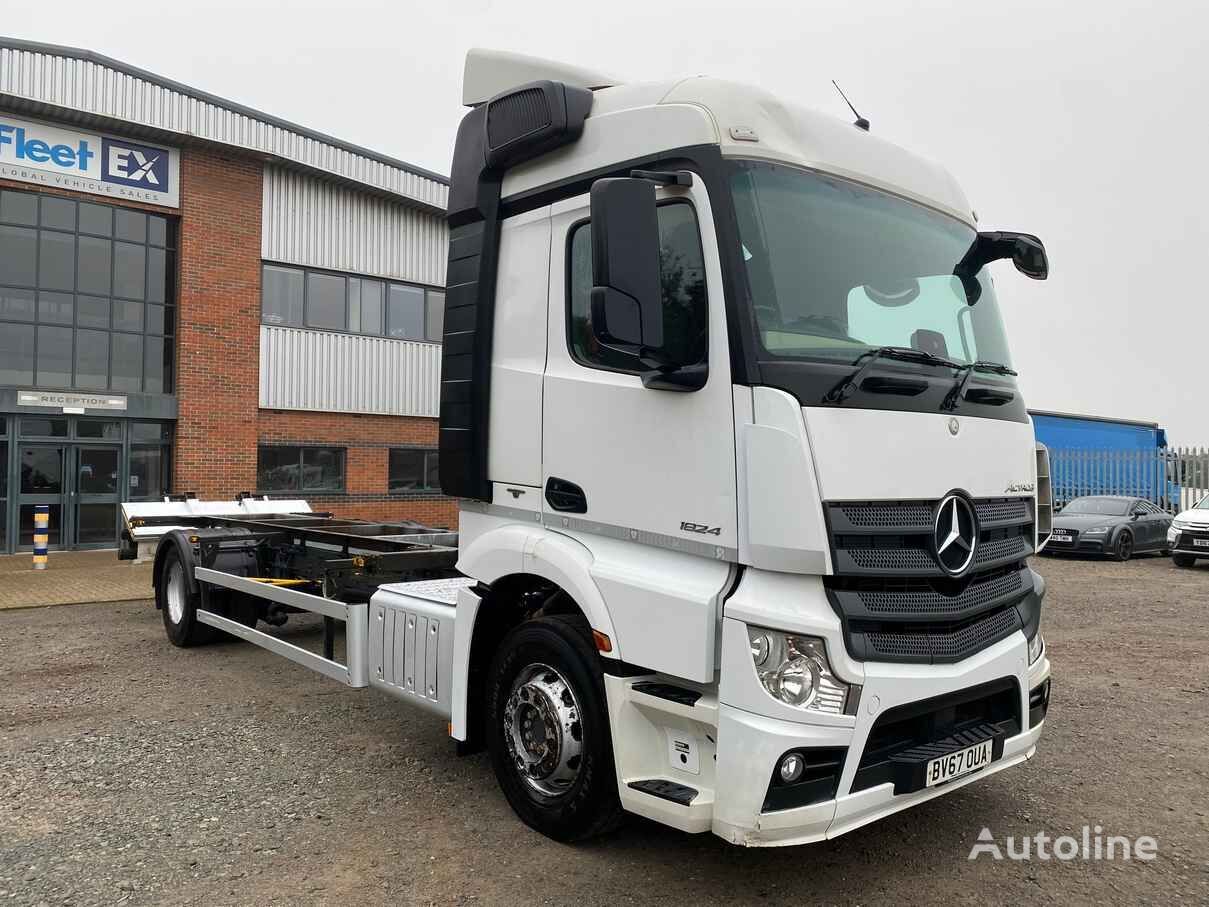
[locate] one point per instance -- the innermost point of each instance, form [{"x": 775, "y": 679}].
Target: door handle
[{"x": 565, "y": 497}]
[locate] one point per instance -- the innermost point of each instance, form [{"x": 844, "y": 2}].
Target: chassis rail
[{"x": 354, "y": 616}]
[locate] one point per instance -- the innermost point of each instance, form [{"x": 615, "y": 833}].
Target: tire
[
  {"x": 1123, "y": 549},
  {"x": 178, "y": 605},
  {"x": 1184, "y": 560},
  {"x": 544, "y": 682}
]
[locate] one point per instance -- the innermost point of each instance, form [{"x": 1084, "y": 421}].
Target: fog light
[{"x": 792, "y": 767}]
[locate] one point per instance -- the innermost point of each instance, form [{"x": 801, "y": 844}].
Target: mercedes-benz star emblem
[{"x": 955, "y": 534}]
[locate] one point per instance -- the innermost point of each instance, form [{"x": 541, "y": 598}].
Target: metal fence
[{"x": 1172, "y": 478}]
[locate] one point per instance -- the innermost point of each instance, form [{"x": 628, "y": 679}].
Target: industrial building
[{"x": 199, "y": 297}]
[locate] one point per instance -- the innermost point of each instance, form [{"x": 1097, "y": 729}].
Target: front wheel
[
  {"x": 548, "y": 730},
  {"x": 1184, "y": 560},
  {"x": 1123, "y": 550}
]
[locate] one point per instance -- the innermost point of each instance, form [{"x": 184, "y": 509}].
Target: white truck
[{"x": 747, "y": 486}]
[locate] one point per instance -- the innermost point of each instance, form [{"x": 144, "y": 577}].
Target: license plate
[
  {"x": 962, "y": 762},
  {"x": 1059, "y": 538},
  {"x": 1200, "y": 543}
]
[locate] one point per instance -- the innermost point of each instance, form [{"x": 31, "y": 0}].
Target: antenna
[{"x": 861, "y": 122}]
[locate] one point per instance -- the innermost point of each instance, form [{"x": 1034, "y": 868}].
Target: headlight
[
  {"x": 1036, "y": 646},
  {"x": 795, "y": 671},
  {"x": 1098, "y": 530}
]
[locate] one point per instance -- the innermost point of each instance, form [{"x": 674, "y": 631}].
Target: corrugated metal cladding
[
  {"x": 326, "y": 372},
  {"x": 309, "y": 221},
  {"x": 99, "y": 90}
]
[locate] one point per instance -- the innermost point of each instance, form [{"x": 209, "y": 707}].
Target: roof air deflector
[{"x": 492, "y": 72}]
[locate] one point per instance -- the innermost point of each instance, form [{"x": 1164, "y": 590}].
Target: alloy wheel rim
[
  {"x": 542, "y": 730},
  {"x": 176, "y": 593}
]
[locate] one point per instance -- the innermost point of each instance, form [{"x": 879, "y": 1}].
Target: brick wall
[
  {"x": 221, "y": 423},
  {"x": 218, "y": 368}
]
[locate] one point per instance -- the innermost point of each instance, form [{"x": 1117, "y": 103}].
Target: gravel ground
[{"x": 133, "y": 772}]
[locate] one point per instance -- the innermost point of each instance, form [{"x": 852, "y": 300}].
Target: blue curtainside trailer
[
  {"x": 1064, "y": 431},
  {"x": 1097, "y": 455}
]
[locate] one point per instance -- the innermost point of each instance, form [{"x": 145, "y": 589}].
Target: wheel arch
[
  {"x": 525, "y": 572},
  {"x": 504, "y": 557}
]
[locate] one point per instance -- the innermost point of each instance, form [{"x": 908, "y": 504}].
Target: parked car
[
  {"x": 1114, "y": 525},
  {"x": 1188, "y": 537}
]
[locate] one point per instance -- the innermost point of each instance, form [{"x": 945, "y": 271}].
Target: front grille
[
  {"x": 992, "y": 707},
  {"x": 895, "y": 601}
]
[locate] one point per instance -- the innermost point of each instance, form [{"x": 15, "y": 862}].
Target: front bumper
[
  {"x": 1185, "y": 542},
  {"x": 1080, "y": 543},
  {"x": 750, "y": 745}
]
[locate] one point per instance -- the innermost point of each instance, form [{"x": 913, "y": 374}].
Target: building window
[
  {"x": 150, "y": 459},
  {"x": 87, "y": 295},
  {"x": 282, "y": 468},
  {"x": 413, "y": 469},
  {"x": 328, "y": 301}
]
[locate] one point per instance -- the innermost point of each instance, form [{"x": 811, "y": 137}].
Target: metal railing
[{"x": 1171, "y": 478}]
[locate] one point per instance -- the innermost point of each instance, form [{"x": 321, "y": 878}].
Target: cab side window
[{"x": 682, "y": 276}]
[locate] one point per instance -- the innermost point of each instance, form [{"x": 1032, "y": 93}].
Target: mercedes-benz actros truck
[{"x": 747, "y": 486}]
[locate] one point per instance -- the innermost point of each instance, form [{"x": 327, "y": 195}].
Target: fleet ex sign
[{"x": 87, "y": 162}]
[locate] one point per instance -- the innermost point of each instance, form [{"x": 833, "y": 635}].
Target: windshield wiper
[
  {"x": 841, "y": 391},
  {"x": 955, "y": 395}
]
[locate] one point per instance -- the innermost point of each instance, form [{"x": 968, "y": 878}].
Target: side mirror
[
  {"x": 1026, "y": 251},
  {"x": 1028, "y": 255},
  {"x": 627, "y": 303}
]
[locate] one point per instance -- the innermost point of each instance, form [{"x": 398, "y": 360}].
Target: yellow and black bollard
[{"x": 41, "y": 534}]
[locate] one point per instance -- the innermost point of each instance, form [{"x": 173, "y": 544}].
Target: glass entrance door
[
  {"x": 95, "y": 497},
  {"x": 43, "y": 481}
]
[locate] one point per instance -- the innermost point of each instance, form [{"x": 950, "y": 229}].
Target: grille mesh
[
  {"x": 516, "y": 115},
  {"x": 1003, "y": 511},
  {"x": 928, "y": 601},
  {"x": 905, "y": 514},
  {"x": 891, "y": 559},
  {"x": 951, "y": 646},
  {"x": 1013, "y": 546}
]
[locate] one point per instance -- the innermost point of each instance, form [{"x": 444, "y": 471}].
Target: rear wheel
[
  {"x": 1123, "y": 549},
  {"x": 1184, "y": 560},
  {"x": 178, "y": 604},
  {"x": 548, "y": 730}
]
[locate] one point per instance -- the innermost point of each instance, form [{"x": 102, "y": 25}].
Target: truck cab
[{"x": 725, "y": 381}]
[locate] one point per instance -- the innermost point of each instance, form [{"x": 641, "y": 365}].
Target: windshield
[
  {"x": 1102, "y": 506},
  {"x": 836, "y": 268},
  {"x": 1204, "y": 504}
]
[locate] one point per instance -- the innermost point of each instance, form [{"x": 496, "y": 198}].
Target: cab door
[{"x": 619, "y": 459}]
